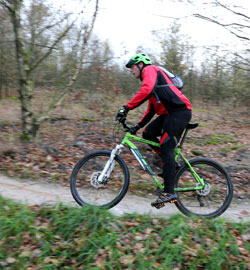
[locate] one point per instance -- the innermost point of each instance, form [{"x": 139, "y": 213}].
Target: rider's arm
[
  {"x": 148, "y": 115},
  {"x": 149, "y": 82}
]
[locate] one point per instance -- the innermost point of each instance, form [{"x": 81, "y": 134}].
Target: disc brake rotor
[
  {"x": 94, "y": 180},
  {"x": 205, "y": 191}
]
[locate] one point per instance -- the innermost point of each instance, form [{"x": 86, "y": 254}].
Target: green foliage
[
  {"x": 173, "y": 50},
  {"x": 12, "y": 97},
  {"x": 24, "y": 137},
  {"x": 219, "y": 138},
  {"x": 232, "y": 147},
  {"x": 89, "y": 238}
]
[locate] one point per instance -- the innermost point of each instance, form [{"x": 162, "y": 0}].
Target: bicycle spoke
[
  {"x": 86, "y": 186},
  {"x": 214, "y": 198}
]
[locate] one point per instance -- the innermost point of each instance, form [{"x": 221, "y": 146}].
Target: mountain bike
[{"x": 101, "y": 178}]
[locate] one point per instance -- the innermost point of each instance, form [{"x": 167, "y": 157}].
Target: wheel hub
[
  {"x": 94, "y": 180},
  {"x": 205, "y": 191}
]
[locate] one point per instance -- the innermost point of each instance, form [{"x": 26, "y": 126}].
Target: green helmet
[{"x": 140, "y": 57}]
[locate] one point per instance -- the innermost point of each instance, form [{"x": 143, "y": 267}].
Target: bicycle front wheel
[
  {"x": 84, "y": 184},
  {"x": 214, "y": 198}
]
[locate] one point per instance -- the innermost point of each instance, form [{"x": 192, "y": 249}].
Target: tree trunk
[
  {"x": 30, "y": 122},
  {"x": 25, "y": 88},
  {"x": 27, "y": 117}
]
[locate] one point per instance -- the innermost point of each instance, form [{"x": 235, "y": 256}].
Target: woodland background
[
  {"x": 46, "y": 49},
  {"x": 60, "y": 88}
]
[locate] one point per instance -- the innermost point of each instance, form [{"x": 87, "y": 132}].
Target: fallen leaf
[
  {"x": 244, "y": 212},
  {"x": 243, "y": 251},
  {"x": 246, "y": 237},
  {"x": 10, "y": 260},
  {"x": 127, "y": 259},
  {"x": 25, "y": 253}
]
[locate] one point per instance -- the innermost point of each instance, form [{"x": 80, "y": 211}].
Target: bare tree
[
  {"x": 240, "y": 24},
  {"x": 28, "y": 61},
  {"x": 233, "y": 16},
  {"x": 235, "y": 20}
]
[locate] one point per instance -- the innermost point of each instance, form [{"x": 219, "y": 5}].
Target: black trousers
[{"x": 169, "y": 127}]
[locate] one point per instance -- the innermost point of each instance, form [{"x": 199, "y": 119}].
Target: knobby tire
[
  {"x": 106, "y": 195},
  {"x": 209, "y": 205}
]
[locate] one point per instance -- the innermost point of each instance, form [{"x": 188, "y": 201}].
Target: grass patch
[
  {"x": 89, "y": 238},
  {"x": 197, "y": 153},
  {"x": 232, "y": 147},
  {"x": 88, "y": 119},
  {"x": 203, "y": 125},
  {"x": 219, "y": 138},
  {"x": 13, "y": 98}
]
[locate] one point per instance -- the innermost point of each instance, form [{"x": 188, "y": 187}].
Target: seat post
[
  {"x": 189, "y": 126},
  {"x": 183, "y": 137}
]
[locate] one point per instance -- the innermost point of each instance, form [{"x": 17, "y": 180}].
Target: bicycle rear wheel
[
  {"x": 211, "y": 201},
  {"x": 84, "y": 184}
]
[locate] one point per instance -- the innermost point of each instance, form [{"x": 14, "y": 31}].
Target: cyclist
[{"x": 174, "y": 113}]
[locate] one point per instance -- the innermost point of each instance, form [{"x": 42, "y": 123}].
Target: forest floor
[{"x": 84, "y": 123}]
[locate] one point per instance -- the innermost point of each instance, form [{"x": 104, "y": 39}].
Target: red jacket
[{"x": 162, "y": 95}]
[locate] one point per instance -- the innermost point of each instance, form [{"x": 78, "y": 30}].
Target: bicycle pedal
[
  {"x": 173, "y": 201},
  {"x": 158, "y": 206}
]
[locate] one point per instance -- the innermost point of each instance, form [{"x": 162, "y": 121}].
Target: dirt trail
[{"x": 32, "y": 192}]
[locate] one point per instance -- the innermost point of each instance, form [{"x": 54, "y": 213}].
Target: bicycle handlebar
[{"x": 123, "y": 122}]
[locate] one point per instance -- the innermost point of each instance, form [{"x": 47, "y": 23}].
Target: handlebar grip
[{"x": 124, "y": 124}]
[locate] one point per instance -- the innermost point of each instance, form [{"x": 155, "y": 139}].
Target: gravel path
[{"x": 34, "y": 192}]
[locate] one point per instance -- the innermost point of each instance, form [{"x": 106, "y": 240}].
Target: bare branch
[
  {"x": 52, "y": 25},
  {"x": 223, "y": 25},
  {"x": 5, "y": 5},
  {"x": 68, "y": 87},
  {"x": 40, "y": 60},
  {"x": 234, "y": 12}
]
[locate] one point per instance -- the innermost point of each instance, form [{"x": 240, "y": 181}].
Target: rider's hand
[
  {"x": 134, "y": 129},
  {"x": 121, "y": 114}
]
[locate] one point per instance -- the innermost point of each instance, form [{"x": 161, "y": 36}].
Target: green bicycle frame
[{"x": 144, "y": 164}]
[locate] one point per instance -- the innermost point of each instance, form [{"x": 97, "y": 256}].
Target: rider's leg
[
  {"x": 173, "y": 126},
  {"x": 152, "y": 131},
  {"x": 169, "y": 164}
]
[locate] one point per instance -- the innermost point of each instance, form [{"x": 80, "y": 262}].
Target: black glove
[
  {"x": 121, "y": 114},
  {"x": 134, "y": 129}
]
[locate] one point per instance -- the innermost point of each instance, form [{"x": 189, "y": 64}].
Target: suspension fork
[{"x": 110, "y": 163}]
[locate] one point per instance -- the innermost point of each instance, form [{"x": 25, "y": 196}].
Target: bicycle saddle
[{"x": 192, "y": 125}]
